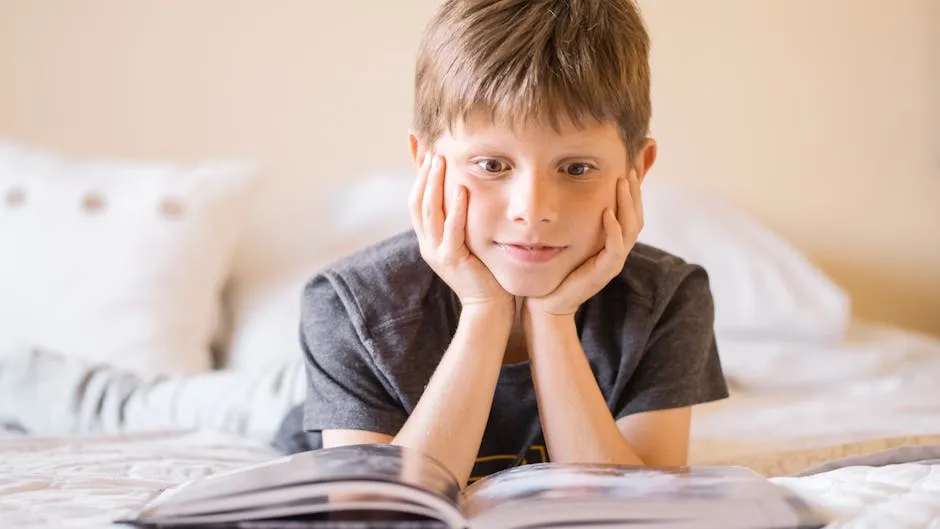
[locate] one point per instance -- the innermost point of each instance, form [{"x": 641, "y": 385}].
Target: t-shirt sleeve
[
  {"x": 680, "y": 366},
  {"x": 345, "y": 388}
]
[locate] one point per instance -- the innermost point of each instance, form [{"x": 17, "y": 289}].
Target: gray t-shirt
[{"x": 375, "y": 325}]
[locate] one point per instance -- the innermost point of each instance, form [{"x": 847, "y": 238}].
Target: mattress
[{"x": 793, "y": 407}]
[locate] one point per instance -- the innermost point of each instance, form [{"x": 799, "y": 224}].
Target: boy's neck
[{"x": 516, "y": 350}]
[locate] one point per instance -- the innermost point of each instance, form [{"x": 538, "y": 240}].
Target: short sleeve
[
  {"x": 680, "y": 365},
  {"x": 345, "y": 389}
]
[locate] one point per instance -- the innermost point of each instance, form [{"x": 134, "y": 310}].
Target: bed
[
  {"x": 94, "y": 419},
  {"x": 866, "y": 452},
  {"x": 879, "y": 383}
]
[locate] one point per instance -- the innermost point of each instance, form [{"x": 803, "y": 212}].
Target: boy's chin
[{"x": 526, "y": 287}]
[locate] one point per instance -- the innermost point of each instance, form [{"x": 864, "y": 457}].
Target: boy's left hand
[{"x": 590, "y": 277}]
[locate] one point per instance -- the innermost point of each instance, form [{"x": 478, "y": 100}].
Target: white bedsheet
[
  {"x": 902, "y": 496},
  {"x": 880, "y": 383}
]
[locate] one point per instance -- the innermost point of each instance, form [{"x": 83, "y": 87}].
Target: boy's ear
[
  {"x": 417, "y": 149},
  {"x": 645, "y": 158}
]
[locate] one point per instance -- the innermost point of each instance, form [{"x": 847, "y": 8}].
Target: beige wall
[
  {"x": 820, "y": 117},
  {"x": 814, "y": 115}
]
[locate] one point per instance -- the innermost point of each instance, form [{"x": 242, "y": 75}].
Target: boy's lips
[{"x": 530, "y": 252}]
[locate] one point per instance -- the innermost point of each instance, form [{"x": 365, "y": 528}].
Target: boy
[{"x": 519, "y": 321}]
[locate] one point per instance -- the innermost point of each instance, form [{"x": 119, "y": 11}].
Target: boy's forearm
[
  {"x": 576, "y": 422},
  {"x": 449, "y": 419}
]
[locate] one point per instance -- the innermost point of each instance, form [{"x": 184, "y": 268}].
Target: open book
[{"x": 391, "y": 486}]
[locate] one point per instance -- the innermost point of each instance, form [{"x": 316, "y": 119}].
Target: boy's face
[{"x": 536, "y": 196}]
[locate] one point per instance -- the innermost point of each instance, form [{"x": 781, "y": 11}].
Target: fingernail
[
  {"x": 435, "y": 163},
  {"x": 458, "y": 193},
  {"x": 424, "y": 161}
]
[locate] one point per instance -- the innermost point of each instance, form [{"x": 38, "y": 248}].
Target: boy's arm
[
  {"x": 354, "y": 437},
  {"x": 449, "y": 419},
  {"x": 577, "y": 423},
  {"x": 448, "y": 422}
]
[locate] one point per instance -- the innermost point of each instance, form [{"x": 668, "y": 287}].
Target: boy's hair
[{"x": 519, "y": 60}]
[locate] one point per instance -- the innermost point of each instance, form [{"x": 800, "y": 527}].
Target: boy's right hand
[{"x": 443, "y": 243}]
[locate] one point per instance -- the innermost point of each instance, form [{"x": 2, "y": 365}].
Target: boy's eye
[
  {"x": 491, "y": 165},
  {"x": 578, "y": 169}
]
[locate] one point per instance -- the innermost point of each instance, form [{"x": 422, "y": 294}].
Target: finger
[
  {"x": 433, "y": 206},
  {"x": 626, "y": 215},
  {"x": 609, "y": 261},
  {"x": 416, "y": 199},
  {"x": 637, "y": 195},
  {"x": 600, "y": 267},
  {"x": 615, "y": 249},
  {"x": 455, "y": 225}
]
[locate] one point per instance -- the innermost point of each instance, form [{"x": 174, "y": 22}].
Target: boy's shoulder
[
  {"x": 652, "y": 276},
  {"x": 384, "y": 281},
  {"x": 398, "y": 253}
]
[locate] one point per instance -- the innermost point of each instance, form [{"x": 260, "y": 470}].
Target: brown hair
[{"x": 519, "y": 60}]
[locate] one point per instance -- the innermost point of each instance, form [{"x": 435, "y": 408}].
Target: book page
[
  {"x": 328, "y": 479},
  {"x": 556, "y": 493}
]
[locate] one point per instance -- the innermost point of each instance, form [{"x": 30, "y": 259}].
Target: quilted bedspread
[{"x": 88, "y": 483}]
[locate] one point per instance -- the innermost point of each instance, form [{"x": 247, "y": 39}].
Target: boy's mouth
[{"x": 530, "y": 253}]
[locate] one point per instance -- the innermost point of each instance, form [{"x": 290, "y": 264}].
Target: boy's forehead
[{"x": 480, "y": 126}]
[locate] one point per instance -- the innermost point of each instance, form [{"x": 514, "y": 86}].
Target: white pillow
[
  {"x": 116, "y": 261},
  {"x": 763, "y": 287},
  {"x": 265, "y": 306},
  {"x": 265, "y": 321}
]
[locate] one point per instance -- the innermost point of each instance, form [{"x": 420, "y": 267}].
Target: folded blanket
[{"x": 817, "y": 459}]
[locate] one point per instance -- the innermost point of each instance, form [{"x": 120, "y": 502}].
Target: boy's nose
[{"x": 532, "y": 200}]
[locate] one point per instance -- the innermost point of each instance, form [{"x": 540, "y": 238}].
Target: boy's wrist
[
  {"x": 492, "y": 318},
  {"x": 492, "y": 313},
  {"x": 538, "y": 319},
  {"x": 486, "y": 326}
]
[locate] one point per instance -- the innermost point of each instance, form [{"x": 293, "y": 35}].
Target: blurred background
[{"x": 821, "y": 118}]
